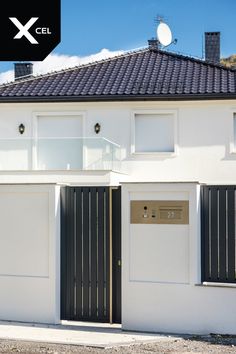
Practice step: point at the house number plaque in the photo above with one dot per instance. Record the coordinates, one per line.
(159, 212)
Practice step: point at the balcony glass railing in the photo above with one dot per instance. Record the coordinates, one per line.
(59, 154)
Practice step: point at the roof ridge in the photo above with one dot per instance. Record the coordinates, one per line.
(195, 59)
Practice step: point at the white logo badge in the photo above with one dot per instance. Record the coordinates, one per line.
(24, 30)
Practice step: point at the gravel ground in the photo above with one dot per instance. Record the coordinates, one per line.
(196, 344)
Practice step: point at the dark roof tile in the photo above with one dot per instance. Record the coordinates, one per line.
(153, 73)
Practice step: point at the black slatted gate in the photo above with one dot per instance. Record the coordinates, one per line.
(85, 254)
(218, 233)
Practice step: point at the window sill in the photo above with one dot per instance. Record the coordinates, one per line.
(154, 154)
(217, 285)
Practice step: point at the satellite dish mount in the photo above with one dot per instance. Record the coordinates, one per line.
(164, 34)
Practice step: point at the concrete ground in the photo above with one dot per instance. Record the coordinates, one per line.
(78, 333)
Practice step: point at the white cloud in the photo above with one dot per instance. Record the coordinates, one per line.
(55, 62)
(6, 76)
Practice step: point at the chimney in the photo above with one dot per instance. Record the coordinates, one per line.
(212, 47)
(23, 70)
(153, 44)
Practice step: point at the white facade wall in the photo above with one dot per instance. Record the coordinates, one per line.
(204, 134)
(153, 296)
(30, 253)
(161, 283)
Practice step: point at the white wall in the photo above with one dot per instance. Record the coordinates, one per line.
(30, 253)
(204, 134)
(161, 288)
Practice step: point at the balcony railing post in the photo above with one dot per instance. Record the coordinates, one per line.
(34, 153)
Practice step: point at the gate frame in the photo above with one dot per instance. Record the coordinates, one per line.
(65, 196)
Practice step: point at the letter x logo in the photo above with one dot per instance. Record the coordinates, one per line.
(24, 29)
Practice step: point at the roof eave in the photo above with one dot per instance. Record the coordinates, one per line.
(115, 98)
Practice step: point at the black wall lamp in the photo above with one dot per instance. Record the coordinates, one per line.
(97, 128)
(21, 128)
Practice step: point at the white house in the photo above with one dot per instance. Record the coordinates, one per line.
(117, 195)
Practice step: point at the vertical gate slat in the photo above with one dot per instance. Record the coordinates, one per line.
(107, 238)
(63, 252)
(93, 253)
(70, 301)
(116, 249)
(100, 252)
(214, 235)
(79, 233)
(86, 253)
(222, 234)
(231, 234)
(67, 251)
(206, 235)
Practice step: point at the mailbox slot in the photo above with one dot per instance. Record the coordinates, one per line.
(159, 212)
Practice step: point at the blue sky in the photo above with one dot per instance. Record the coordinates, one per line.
(90, 26)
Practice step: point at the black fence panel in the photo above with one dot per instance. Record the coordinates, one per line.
(218, 233)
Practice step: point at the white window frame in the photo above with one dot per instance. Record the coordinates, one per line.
(232, 143)
(55, 114)
(174, 113)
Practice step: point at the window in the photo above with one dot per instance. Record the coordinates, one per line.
(59, 141)
(66, 126)
(154, 133)
(232, 136)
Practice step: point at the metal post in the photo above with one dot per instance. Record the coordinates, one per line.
(111, 294)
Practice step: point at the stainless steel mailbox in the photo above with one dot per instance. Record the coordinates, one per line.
(159, 212)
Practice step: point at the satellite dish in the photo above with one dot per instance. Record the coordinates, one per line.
(164, 34)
